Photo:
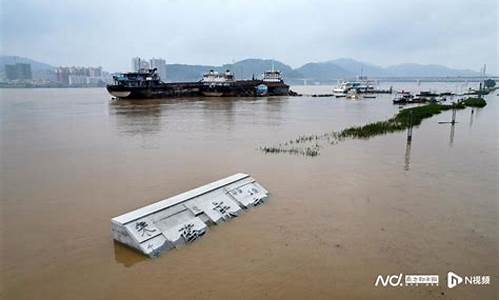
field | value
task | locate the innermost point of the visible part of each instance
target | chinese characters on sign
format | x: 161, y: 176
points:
x: 142, y: 228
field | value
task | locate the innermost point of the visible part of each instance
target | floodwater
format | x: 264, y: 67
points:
x: 71, y: 160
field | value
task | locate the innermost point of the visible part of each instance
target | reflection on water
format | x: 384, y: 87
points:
x: 218, y: 110
x: 407, y: 155
x: 452, y: 134
x: 147, y: 117
x: 136, y: 117
x: 126, y: 256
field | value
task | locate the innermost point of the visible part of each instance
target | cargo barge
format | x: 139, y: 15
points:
x: 147, y: 84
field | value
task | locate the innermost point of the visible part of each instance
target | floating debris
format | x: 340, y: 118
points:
x: 309, y: 145
x: 182, y: 219
x: 322, y: 95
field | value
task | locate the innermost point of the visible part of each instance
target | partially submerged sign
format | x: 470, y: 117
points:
x: 182, y: 219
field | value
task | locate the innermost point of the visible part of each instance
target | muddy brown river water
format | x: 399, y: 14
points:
x: 71, y: 160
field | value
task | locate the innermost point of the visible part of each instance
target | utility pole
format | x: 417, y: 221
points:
x: 407, y: 156
x: 453, y: 115
x: 409, y: 132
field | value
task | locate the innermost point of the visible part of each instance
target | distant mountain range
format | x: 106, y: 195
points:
x: 39, y: 70
x: 35, y: 65
x: 332, y: 70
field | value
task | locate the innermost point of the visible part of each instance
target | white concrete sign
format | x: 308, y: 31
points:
x: 181, y: 219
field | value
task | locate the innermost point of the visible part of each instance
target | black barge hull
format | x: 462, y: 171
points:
x: 242, y: 88
x: 159, y: 91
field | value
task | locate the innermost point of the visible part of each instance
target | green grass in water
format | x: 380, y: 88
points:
x: 474, y: 102
x: 401, y: 121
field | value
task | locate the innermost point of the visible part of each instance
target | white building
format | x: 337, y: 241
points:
x: 77, y: 80
x: 95, y: 72
x: 161, y: 66
x: 139, y: 63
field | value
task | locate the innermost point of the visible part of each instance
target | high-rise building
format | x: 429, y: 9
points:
x: 62, y: 75
x: 18, y: 71
x: 77, y: 80
x: 139, y: 64
x: 80, y: 76
x: 136, y: 64
x: 161, y: 66
x: 95, y: 72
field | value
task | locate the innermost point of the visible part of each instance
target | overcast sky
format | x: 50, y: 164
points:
x: 455, y: 33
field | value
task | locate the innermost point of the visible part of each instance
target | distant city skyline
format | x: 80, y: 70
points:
x: 138, y: 63
x: 457, y: 34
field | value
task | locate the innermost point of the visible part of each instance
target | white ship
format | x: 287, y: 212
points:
x: 361, y: 85
x: 272, y: 76
x: 215, y: 84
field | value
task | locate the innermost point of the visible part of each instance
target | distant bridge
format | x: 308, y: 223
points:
x: 307, y: 81
x: 437, y: 78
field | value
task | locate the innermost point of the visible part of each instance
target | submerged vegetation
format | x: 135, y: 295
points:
x: 309, y: 145
x: 474, y: 102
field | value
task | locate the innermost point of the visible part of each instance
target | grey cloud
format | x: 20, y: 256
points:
x: 460, y: 33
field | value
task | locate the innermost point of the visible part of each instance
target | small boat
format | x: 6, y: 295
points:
x: 353, y: 95
x: 361, y: 85
x: 342, y: 89
x: 427, y: 94
x: 420, y: 99
x: 403, y: 97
